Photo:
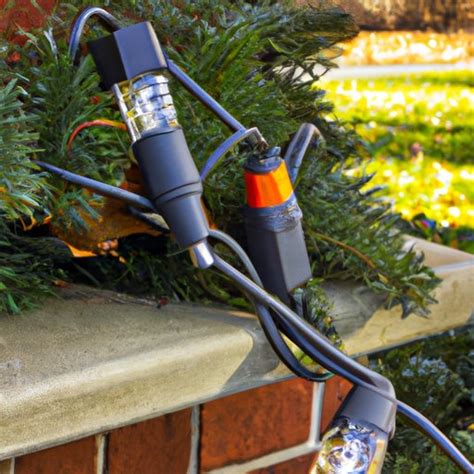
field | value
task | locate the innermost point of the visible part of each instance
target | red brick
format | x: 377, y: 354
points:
x: 300, y: 465
x: 334, y: 393
x: 71, y: 458
x: 158, y: 446
x: 24, y: 14
x: 256, y: 422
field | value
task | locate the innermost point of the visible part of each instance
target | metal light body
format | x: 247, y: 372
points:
x: 356, y: 442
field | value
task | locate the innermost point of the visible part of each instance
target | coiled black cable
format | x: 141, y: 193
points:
x: 266, y: 319
x: 301, y: 333
x: 296, y: 329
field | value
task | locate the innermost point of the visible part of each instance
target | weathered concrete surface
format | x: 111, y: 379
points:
x: 367, y: 327
x: 93, y: 360
x: 80, y: 366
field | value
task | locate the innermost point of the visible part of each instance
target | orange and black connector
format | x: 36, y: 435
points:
x: 273, y: 223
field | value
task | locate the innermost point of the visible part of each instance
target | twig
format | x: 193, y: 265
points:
x: 345, y: 246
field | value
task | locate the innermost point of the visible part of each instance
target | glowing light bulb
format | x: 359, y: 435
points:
x: 351, y: 447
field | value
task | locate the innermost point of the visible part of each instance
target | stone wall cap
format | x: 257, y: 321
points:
x: 93, y: 360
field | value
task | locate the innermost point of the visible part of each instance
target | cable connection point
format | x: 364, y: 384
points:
x: 201, y: 255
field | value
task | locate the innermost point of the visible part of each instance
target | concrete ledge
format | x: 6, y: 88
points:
x: 367, y: 327
x: 93, y: 361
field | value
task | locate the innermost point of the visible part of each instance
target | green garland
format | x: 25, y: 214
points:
x: 251, y: 58
x: 26, y: 264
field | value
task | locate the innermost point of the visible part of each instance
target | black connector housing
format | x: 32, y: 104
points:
x: 277, y: 248
x: 364, y: 404
x: 173, y: 184
x: 127, y: 53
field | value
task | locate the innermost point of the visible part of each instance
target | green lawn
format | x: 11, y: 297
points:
x: 420, y: 130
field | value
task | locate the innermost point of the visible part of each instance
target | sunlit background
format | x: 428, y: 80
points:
x: 414, y: 104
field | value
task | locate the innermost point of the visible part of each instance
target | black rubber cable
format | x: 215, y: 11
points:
x: 307, y: 344
x: 323, y: 351
x: 224, y: 147
x: 98, y: 187
x: 282, y: 350
x: 298, y: 146
x: 267, y: 322
x: 197, y: 91
x: 433, y: 432
x: 294, y: 326
x: 78, y: 26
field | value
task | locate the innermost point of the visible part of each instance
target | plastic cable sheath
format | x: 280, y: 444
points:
x: 80, y: 23
x: 298, y: 146
x: 269, y: 326
x: 430, y: 430
x: 323, y: 351
x: 204, y: 97
x: 370, y: 380
x: 98, y: 187
x: 266, y: 320
x: 223, y: 148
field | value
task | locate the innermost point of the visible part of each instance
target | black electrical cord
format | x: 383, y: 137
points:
x: 78, y: 27
x: 298, y: 330
x: 224, y: 147
x: 297, y: 148
x: 301, y: 333
x: 344, y: 365
x: 195, y: 89
x: 98, y: 187
x: 432, y: 431
x: 323, y: 351
x: 266, y: 320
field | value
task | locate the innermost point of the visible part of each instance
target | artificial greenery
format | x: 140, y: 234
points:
x: 26, y: 264
x: 436, y: 377
x: 259, y: 61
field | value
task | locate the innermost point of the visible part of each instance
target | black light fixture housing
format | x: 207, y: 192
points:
x: 132, y: 65
x: 358, y: 437
x: 127, y: 53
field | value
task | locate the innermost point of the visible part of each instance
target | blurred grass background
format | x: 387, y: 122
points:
x: 420, y: 130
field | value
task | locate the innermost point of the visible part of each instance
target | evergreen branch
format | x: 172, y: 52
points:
x: 356, y: 252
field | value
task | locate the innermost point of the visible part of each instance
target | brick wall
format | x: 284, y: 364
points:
x: 261, y: 431
x: 23, y: 14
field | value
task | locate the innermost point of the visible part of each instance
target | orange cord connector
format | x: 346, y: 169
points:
x: 269, y: 189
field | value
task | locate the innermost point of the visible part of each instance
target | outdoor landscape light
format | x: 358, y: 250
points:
x: 133, y: 66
